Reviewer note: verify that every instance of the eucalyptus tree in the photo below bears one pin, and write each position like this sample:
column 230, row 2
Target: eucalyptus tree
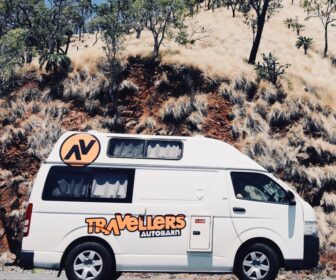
column 162, row 17
column 233, row 5
column 325, row 11
column 138, row 14
column 82, row 12
column 12, row 50
column 263, row 10
column 115, row 22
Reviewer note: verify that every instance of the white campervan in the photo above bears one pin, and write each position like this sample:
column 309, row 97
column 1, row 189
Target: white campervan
column 103, row 204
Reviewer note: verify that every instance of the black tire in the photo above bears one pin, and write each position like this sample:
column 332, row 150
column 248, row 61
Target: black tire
column 250, row 263
column 89, row 255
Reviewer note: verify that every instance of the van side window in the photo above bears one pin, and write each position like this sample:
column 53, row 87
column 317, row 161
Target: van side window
column 164, row 149
column 257, row 187
column 126, row 148
column 111, row 184
column 150, row 149
column 89, row 184
column 68, row 184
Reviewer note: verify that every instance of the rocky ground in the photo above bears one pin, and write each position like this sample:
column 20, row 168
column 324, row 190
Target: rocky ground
column 14, row 273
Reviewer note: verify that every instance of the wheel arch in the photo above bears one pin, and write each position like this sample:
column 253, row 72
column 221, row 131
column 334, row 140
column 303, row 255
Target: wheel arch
column 261, row 240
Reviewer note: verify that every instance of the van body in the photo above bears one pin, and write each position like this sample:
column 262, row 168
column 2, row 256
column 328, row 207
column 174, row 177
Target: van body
column 107, row 203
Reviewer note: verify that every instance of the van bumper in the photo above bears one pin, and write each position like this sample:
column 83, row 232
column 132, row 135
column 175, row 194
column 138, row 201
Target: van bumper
column 26, row 259
column 310, row 255
column 40, row 259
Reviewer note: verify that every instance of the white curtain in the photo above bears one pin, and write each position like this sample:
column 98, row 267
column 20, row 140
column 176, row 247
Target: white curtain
column 70, row 185
column 109, row 185
column 128, row 148
column 163, row 149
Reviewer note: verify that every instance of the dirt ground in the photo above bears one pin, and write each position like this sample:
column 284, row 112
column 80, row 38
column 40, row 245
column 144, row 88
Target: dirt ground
column 16, row 273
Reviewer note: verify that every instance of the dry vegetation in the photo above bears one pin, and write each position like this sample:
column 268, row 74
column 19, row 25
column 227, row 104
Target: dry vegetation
column 208, row 88
column 224, row 54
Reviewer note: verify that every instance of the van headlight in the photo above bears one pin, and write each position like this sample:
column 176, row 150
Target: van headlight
column 311, row 228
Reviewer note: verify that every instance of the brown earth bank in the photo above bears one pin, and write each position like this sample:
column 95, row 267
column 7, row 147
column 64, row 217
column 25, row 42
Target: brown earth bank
column 292, row 137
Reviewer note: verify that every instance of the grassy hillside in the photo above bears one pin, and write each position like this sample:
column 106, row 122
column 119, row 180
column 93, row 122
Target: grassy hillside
column 225, row 53
column 205, row 89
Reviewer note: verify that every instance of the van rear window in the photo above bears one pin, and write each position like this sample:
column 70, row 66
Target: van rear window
column 89, row 184
column 146, row 149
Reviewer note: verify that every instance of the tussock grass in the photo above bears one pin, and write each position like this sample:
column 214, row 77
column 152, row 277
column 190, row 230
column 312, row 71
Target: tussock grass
column 80, row 87
column 282, row 115
column 128, row 88
column 46, row 133
column 113, row 124
column 177, row 110
column 313, row 124
column 145, row 125
column 329, row 203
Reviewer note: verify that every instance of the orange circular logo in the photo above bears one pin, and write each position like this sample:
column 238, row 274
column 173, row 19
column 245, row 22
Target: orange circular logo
column 80, row 149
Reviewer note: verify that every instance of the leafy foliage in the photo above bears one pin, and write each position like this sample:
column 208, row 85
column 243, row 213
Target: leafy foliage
column 163, row 16
column 288, row 22
column 298, row 27
column 11, row 54
column 270, row 69
column 55, row 63
column 305, row 42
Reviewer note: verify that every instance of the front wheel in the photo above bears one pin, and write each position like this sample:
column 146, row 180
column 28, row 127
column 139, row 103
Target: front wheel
column 257, row 262
column 89, row 261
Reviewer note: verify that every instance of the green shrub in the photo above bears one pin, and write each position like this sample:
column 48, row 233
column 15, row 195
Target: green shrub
column 55, row 62
column 270, row 69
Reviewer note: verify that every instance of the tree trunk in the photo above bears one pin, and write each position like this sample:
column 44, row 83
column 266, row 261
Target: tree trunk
column 68, row 44
column 80, row 34
column 29, row 57
column 233, row 11
column 96, row 39
column 325, row 41
column 305, row 50
column 191, row 10
column 138, row 33
column 260, row 27
column 156, row 47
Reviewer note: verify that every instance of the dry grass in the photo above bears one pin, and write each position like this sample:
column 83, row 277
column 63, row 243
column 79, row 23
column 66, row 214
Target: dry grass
column 190, row 109
column 146, row 125
column 225, row 53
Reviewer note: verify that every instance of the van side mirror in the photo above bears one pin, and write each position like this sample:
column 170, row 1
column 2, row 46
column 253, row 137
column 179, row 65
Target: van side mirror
column 290, row 198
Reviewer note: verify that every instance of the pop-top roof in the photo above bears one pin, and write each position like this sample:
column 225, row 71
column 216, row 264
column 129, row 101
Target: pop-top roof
column 79, row 149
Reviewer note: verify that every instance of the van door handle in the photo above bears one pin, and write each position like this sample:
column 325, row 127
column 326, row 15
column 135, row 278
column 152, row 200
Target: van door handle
column 239, row 210
column 196, row 232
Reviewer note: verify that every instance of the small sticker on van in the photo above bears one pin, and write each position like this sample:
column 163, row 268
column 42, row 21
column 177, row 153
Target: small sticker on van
column 148, row 226
column 80, row 149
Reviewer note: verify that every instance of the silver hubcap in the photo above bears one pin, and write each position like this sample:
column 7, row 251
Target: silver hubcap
column 88, row 265
column 256, row 265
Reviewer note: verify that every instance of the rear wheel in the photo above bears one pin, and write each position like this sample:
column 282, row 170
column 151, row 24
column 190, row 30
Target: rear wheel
column 89, row 261
column 257, row 262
